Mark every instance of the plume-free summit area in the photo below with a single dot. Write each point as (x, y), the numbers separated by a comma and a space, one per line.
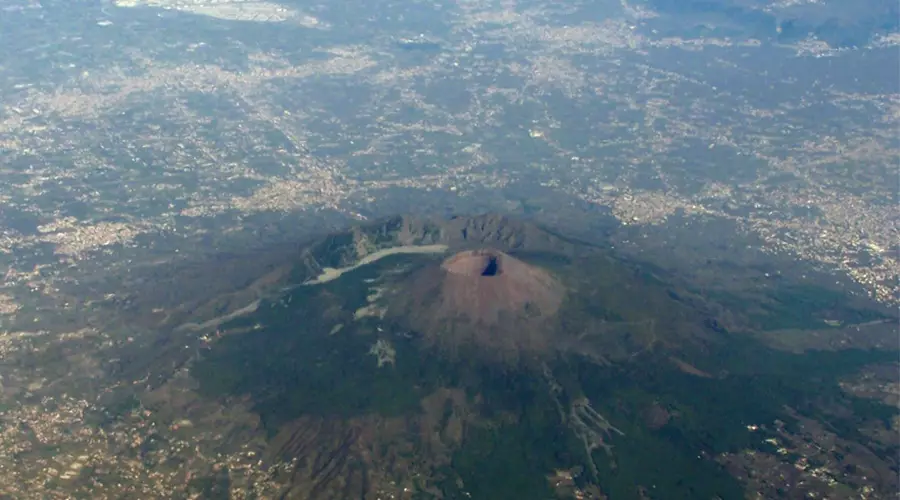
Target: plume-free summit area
(487, 357)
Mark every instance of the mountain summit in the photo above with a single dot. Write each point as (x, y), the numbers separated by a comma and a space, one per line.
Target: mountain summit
(484, 299)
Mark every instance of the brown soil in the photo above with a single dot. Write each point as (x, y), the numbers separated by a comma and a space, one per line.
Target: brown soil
(484, 298)
(485, 284)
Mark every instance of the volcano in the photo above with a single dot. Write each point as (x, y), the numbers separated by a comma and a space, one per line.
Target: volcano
(484, 301)
(485, 285)
(488, 357)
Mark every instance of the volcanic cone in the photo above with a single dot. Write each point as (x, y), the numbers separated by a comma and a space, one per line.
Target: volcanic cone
(484, 299)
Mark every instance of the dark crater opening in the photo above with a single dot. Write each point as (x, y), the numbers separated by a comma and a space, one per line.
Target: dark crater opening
(492, 268)
(475, 263)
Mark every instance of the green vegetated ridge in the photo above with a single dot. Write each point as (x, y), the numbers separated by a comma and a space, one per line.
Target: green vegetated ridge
(292, 365)
(797, 306)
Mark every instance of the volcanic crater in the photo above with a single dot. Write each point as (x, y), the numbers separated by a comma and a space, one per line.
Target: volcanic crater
(482, 298)
(484, 263)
